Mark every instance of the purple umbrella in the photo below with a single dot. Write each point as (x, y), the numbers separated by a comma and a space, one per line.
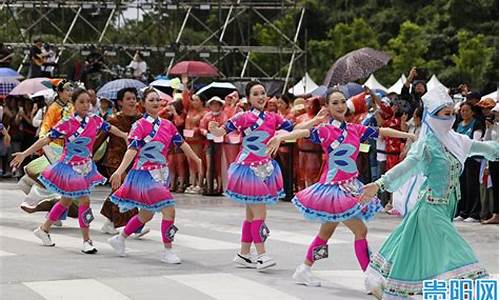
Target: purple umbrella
(355, 65)
(7, 84)
(8, 72)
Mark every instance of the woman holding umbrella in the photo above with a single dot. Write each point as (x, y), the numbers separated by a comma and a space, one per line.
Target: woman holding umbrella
(254, 179)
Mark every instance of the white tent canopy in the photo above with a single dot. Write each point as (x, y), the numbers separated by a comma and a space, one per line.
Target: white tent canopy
(396, 87)
(492, 95)
(305, 86)
(373, 83)
(434, 83)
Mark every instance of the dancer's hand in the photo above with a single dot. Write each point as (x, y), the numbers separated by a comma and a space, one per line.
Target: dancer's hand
(369, 191)
(18, 159)
(124, 135)
(411, 137)
(323, 114)
(273, 145)
(115, 180)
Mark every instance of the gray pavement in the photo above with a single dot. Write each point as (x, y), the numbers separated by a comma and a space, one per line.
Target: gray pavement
(207, 241)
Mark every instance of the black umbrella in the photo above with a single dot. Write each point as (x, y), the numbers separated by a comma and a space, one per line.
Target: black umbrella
(220, 89)
(355, 65)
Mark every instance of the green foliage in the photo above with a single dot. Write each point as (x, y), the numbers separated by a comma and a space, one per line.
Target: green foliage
(473, 59)
(455, 39)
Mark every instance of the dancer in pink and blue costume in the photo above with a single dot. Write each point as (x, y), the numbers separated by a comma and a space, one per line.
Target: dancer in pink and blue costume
(75, 174)
(146, 185)
(335, 198)
(254, 179)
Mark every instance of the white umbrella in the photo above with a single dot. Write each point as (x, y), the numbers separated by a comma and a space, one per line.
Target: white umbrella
(305, 86)
(373, 84)
(398, 85)
(434, 83)
(49, 95)
(167, 85)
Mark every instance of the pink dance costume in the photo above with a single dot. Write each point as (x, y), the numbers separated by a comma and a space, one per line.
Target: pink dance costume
(75, 174)
(255, 178)
(335, 197)
(147, 184)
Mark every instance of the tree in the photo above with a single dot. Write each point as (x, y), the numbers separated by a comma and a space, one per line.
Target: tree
(408, 48)
(473, 59)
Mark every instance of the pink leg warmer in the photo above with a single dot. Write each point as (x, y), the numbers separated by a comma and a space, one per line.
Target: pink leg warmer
(168, 231)
(260, 231)
(57, 211)
(362, 253)
(317, 250)
(85, 215)
(246, 232)
(133, 225)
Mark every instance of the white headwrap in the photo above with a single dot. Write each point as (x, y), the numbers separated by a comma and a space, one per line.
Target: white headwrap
(435, 100)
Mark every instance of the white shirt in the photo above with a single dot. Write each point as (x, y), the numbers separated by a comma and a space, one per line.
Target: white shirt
(139, 67)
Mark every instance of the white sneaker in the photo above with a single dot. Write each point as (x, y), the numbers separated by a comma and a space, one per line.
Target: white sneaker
(458, 219)
(471, 220)
(88, 247)
(303, 275)
(44, 237)
(264, 262)
(244, 261)
(25, 184)
(189, 190)
(170, 257)
(374, 288)
(138, 235)
(109, 228)
(118, 243)
(57, 223)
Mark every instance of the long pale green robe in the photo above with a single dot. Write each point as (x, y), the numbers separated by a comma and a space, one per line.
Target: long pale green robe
(426, 245)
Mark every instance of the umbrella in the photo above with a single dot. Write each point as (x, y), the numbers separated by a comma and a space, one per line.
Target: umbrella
(8, 72)
(355, 65)
(194, 68)
(350, 89)
(30, 86)
(7, 84)
(220, 89)
(320, 91)
(48, 95)
(163, 96)
(167, 86)
(111, 89)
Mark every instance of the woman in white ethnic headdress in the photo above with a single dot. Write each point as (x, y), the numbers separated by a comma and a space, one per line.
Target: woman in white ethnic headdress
(426, 245)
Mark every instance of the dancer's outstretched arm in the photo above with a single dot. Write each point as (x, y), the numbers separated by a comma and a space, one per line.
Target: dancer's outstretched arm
(393, 133)
(274, 143)
(115, 131)
(488, 149)
(416, 160)
(20, 156)
(318, 119)
(216, 130)
(116, 178)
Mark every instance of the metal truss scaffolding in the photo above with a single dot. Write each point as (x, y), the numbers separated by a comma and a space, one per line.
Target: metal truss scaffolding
(227, 41)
